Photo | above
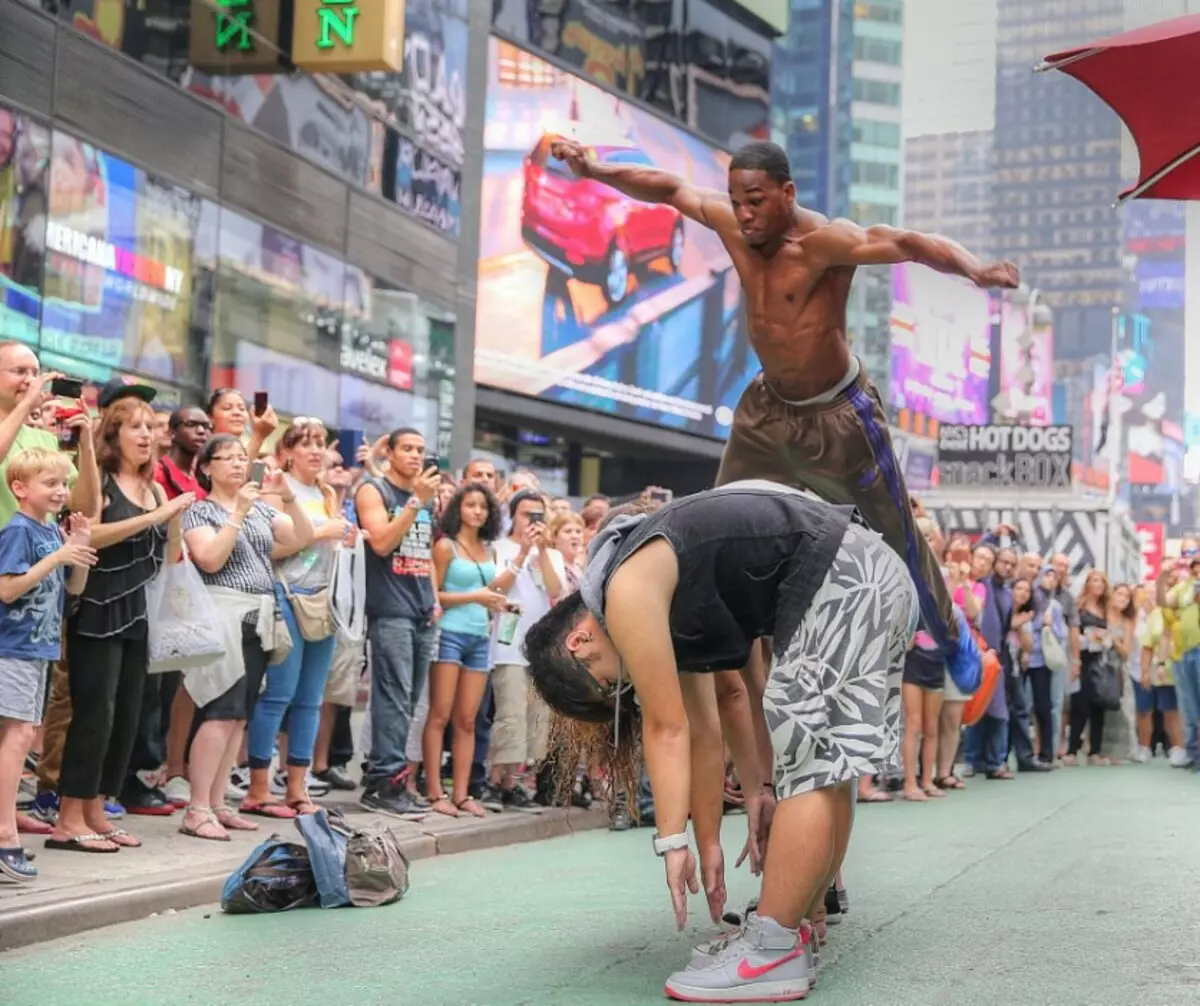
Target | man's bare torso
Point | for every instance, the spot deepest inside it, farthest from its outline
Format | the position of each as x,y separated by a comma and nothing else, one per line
796,311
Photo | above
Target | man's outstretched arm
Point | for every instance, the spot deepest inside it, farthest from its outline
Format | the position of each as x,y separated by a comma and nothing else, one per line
844,243
650,185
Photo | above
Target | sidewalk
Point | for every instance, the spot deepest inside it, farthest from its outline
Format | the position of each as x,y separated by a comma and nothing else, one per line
78,892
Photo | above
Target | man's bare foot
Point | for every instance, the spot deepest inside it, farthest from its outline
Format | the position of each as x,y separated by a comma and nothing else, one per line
916,795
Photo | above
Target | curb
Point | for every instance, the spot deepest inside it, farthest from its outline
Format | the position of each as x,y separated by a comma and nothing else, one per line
76,913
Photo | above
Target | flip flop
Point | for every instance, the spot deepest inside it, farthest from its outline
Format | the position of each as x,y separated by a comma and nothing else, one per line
115,834
208,818
444,805
469,805
877,796
231,820
303,806
277,811
75,844
27,825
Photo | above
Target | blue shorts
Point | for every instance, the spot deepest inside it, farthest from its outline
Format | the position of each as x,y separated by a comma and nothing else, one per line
1160,697
470,652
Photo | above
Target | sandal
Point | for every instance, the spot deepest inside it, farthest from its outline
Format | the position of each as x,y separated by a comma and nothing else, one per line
443,805
208,820
115,835
949,782
303,805
271,809
933,791
877,796
1000,773
78,843
469,805
231,820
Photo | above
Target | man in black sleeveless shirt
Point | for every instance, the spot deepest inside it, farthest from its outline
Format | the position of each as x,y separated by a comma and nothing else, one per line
671,597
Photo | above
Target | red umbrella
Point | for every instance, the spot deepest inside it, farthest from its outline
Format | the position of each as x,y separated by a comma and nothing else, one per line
1148,77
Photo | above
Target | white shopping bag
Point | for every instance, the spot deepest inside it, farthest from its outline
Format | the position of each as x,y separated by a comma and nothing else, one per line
184,628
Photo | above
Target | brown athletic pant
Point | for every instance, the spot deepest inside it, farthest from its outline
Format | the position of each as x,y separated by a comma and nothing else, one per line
841,451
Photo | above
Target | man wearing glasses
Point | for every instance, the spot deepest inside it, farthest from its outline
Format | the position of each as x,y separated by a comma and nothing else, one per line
190,429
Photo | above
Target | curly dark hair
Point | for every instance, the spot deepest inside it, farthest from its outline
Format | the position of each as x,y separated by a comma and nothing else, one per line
451,522
583,715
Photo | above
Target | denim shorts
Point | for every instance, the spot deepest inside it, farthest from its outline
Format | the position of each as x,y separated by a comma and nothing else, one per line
466,650
1160,697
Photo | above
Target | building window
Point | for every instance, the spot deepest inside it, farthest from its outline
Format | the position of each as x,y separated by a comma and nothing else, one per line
869,173
877,50
881,134
876,92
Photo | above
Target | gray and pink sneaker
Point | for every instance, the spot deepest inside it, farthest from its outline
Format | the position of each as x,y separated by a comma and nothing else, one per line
761,962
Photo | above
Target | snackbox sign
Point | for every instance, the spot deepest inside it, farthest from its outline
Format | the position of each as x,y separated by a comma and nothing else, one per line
1020,457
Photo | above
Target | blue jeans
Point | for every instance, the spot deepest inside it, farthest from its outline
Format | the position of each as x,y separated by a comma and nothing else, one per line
295,688
1020,700
1187,690
401,650
1058,699
483,737
985,745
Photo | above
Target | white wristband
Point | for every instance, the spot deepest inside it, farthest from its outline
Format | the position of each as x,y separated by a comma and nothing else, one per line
669,844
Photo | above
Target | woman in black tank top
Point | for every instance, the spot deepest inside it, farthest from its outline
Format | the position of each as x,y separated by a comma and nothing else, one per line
106,648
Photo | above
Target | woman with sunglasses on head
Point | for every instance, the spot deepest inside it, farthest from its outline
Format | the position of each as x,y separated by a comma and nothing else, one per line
296,686
234,538
469,592
231,415
107,637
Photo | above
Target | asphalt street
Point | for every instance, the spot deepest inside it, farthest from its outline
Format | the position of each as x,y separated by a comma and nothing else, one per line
1082,886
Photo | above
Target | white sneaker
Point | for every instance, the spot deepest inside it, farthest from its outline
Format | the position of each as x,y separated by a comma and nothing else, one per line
763,963
1142,756
1179,758
178,791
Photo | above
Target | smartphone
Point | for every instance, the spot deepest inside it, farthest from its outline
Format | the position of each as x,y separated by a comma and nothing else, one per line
261,403
537,517
66,387
349,441
258,472
68,438
662,495
432,461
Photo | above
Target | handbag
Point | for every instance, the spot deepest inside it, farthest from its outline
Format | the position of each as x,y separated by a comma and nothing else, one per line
1105,678
313,613
1053,651
182,622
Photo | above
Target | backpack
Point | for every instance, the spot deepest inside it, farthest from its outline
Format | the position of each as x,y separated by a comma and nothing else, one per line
376,867
276,877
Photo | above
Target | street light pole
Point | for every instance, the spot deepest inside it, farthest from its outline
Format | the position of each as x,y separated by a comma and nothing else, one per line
1114,411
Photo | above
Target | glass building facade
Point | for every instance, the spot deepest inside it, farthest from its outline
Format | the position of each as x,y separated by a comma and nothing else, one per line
270,231
1057,151
876,166
811,93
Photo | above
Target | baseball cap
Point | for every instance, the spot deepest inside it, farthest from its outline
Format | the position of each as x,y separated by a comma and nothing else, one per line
115,390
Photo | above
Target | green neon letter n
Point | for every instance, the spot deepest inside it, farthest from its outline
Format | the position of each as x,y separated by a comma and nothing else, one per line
336,18
233,27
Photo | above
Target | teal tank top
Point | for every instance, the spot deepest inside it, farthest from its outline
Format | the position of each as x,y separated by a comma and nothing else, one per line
462,577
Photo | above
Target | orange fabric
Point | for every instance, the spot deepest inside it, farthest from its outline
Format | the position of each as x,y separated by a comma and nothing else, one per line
975,707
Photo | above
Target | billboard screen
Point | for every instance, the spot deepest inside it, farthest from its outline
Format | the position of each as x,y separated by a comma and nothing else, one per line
119,263
587,297
1026,367
941,346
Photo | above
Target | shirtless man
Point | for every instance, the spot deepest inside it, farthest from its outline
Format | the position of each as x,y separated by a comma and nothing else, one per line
811,419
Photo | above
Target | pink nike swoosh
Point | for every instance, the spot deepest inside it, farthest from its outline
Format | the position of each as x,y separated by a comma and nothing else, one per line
748,972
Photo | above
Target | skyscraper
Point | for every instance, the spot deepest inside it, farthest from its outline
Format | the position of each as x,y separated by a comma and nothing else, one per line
811,92
876,160
1057,169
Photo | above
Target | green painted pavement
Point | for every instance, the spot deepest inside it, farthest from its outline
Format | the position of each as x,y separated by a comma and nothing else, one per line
1082,886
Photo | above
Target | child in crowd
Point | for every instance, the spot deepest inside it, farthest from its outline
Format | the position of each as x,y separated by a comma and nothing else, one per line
33,558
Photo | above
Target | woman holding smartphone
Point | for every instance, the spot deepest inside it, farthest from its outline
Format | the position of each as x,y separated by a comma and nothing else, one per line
230,414
233,538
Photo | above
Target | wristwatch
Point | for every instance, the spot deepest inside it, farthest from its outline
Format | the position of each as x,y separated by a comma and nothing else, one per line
669,844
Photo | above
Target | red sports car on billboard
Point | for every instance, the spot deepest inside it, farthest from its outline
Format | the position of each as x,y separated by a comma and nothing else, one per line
590,231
